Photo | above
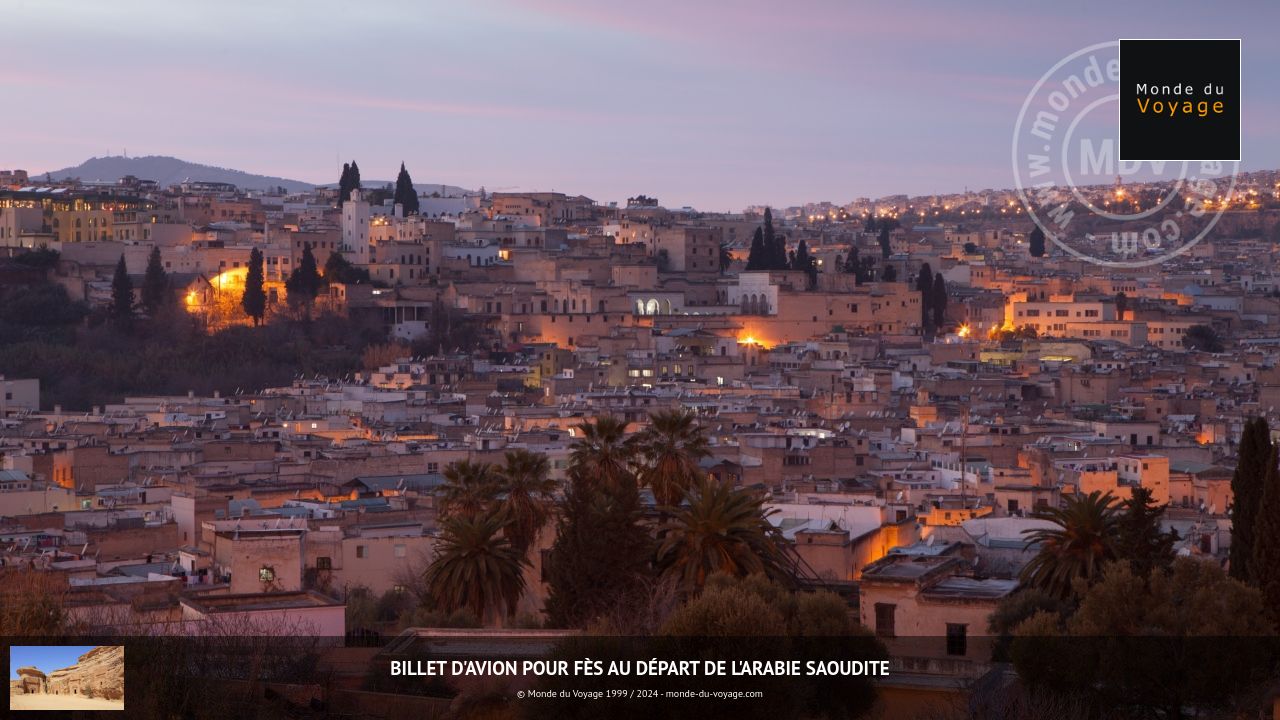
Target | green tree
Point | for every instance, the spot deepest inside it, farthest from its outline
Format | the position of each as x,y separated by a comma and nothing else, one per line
890,273
40,257
671,448
1139,539
756,258
155,284
721,529
938,300
349,181
602,555
727,610
1122,303
526,495
121,307
924,285
1035,242
886,249
1266,541
406,196
304,283
476,567
254,299
601,454
1203,338
469,488
344,183
775,246
337,269
970,249
1183,639
1246,489
1083,541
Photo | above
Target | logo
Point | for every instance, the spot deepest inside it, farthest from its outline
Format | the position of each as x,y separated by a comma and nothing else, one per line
1180,99
1087,200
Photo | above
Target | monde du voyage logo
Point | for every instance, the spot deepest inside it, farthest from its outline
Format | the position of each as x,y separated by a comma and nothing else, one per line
1124,151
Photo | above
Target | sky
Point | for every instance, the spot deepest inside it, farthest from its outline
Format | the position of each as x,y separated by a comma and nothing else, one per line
708,103
44,657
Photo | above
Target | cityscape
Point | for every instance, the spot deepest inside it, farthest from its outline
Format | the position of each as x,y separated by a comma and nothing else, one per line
365,446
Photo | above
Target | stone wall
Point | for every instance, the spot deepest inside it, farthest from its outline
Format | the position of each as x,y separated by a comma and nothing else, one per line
97,673
30,681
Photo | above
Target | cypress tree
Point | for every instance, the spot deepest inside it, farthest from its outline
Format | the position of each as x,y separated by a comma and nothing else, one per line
601,555
756,259
1036,242
155,284
355,177
344,183
304,282
1265,564
885,249
781,258
924,285
405,195
254,300
121,307
1246,488
939,300
802,258
889,274
775,248
1141,541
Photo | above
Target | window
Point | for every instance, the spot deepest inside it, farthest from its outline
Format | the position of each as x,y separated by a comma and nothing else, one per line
360,551
957,639
324,563
267,574
884,619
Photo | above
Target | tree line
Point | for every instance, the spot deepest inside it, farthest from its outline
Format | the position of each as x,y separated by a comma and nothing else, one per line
404,194
607,549
1109,618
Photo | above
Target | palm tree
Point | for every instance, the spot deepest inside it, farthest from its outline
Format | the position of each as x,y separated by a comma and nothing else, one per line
1083,541
671,447
720,529
476,566
525,495
469,488
602,454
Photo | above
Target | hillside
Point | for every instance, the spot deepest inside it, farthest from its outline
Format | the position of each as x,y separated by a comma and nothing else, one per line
170,171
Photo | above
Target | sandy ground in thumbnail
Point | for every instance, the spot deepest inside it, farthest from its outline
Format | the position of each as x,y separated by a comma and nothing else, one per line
62,702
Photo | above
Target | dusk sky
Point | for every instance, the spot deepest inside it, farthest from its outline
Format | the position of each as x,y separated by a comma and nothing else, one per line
712,104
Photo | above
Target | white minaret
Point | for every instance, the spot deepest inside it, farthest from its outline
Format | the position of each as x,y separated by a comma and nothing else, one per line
355,228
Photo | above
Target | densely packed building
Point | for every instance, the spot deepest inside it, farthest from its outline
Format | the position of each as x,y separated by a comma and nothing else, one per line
905,443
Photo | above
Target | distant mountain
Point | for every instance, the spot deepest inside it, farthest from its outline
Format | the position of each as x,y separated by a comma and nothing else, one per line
170,171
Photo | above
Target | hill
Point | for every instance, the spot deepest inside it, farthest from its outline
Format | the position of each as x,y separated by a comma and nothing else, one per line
168,171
